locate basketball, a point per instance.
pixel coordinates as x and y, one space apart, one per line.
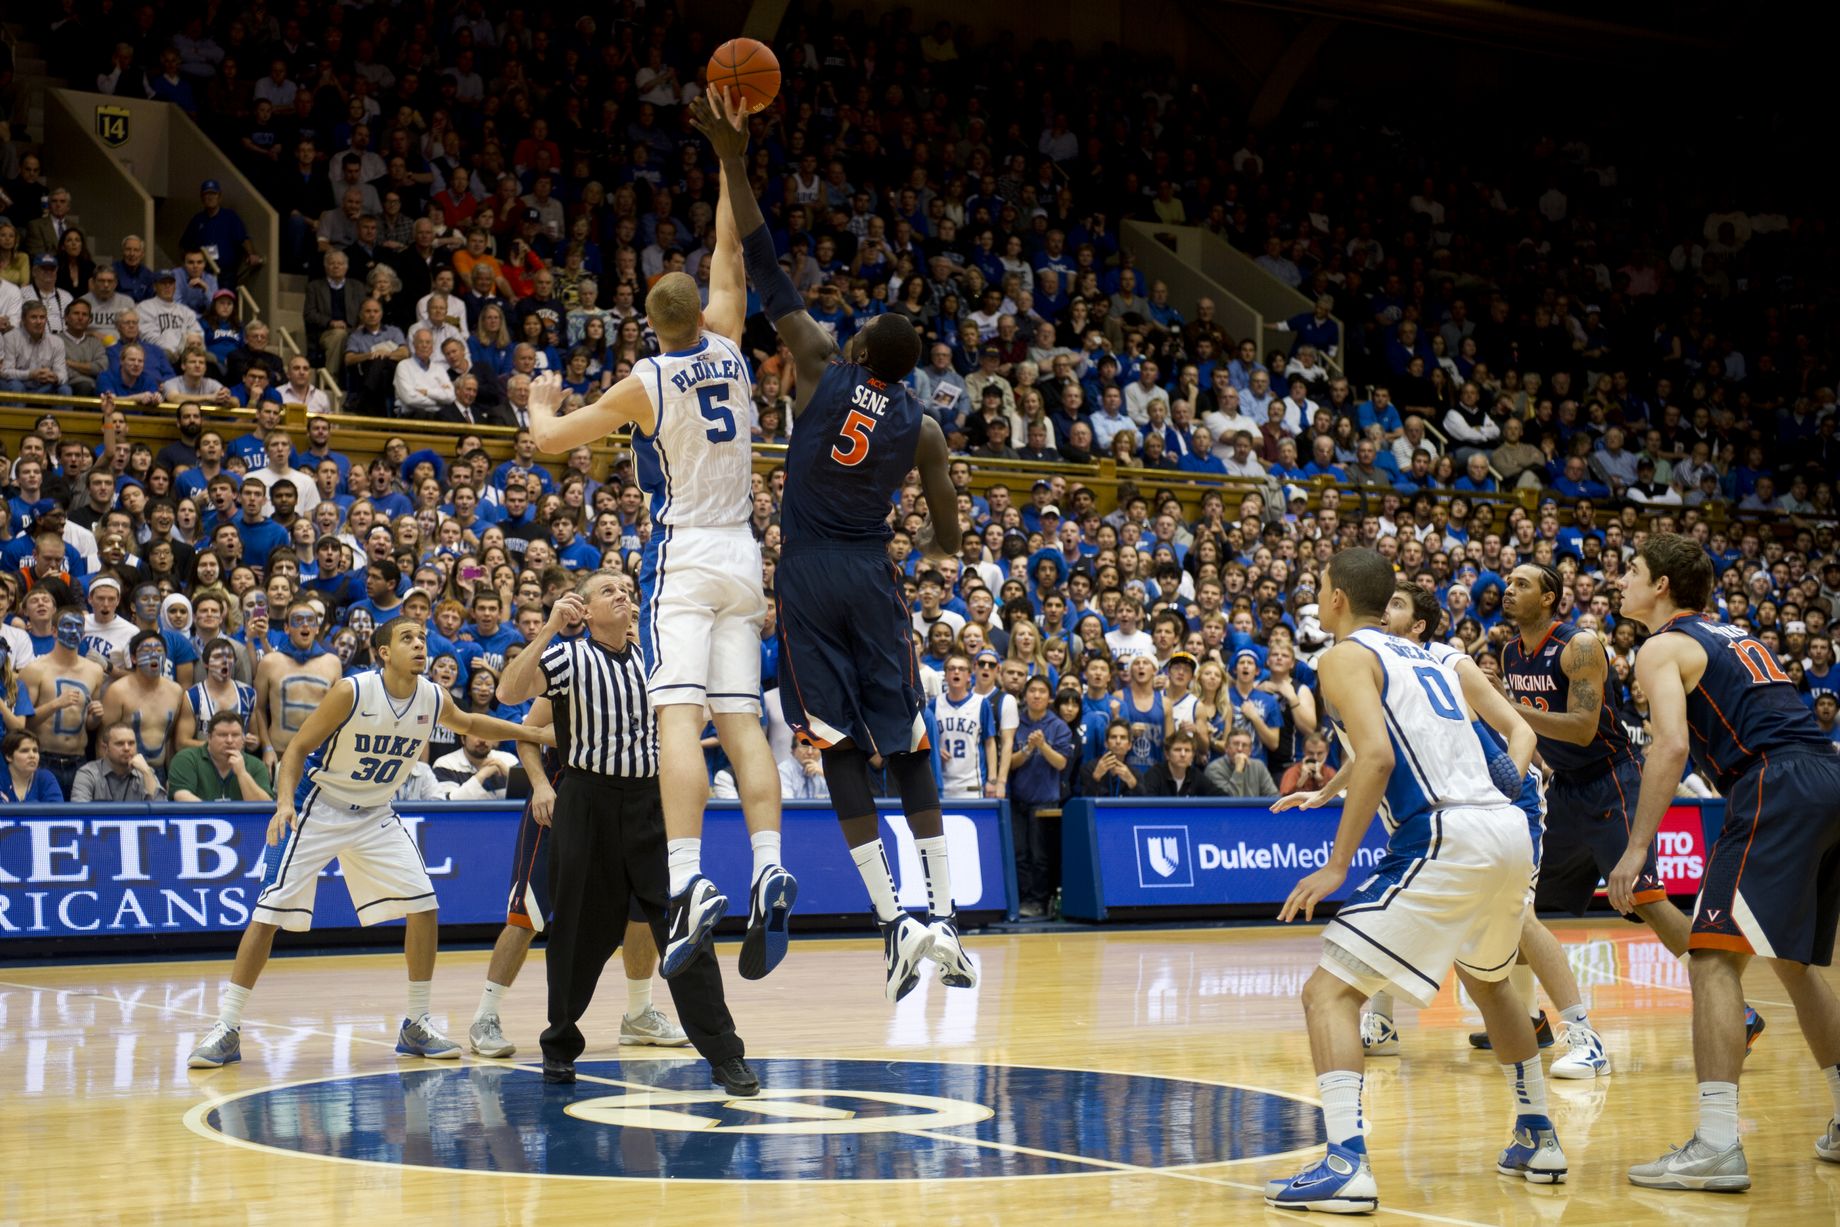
748 67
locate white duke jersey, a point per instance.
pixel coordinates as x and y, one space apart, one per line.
962 728
698 462
1438 760
371 753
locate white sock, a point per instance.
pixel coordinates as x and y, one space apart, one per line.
1833 1087
638 997
419 991
1527 1083
1381 1003
1340 1090
1718 1114
938 875
1521 981
872 863
685 857
766 852
234 997
1575 1016
488 1000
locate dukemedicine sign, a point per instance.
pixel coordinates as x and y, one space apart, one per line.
76 871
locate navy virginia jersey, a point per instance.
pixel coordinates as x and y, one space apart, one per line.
851 449
1537 679
1745 707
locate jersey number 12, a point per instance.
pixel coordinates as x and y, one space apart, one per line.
856 429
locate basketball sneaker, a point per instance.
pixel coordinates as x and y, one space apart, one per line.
1533 1153
905 943
769 922
956 970
1379 1037
221 1046
1696 1166
1342 1183
1542 1031
420 1038
1585 1057
1827 1146
695 912
487 1038
1753 1029
653 1028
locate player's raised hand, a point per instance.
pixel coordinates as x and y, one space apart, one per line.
546 393
720 119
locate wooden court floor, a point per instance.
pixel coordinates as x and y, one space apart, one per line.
1141 1077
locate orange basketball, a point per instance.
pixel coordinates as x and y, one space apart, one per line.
747 67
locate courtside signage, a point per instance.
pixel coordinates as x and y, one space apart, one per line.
77 871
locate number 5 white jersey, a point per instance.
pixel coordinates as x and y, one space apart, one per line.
697 463
1438 761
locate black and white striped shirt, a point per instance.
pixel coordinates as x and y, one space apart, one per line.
606 724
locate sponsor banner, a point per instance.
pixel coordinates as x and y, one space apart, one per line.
1196 854
1682 845
76 871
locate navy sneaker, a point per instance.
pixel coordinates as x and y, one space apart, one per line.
769 922
1542 1031
694 914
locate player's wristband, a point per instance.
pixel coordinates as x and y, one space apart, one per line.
777 293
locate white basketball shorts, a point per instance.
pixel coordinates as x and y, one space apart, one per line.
701 614
382 866
1455 895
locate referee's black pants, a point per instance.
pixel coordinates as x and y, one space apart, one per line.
607 849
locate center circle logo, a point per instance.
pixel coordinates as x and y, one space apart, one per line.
813 1120
779 1111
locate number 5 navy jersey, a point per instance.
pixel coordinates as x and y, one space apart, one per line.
851 449
1745 707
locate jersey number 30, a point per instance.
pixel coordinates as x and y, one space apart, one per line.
856 430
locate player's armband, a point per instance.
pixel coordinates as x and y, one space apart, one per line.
777 293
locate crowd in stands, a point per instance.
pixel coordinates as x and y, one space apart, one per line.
478 198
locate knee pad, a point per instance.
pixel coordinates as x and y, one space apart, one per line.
846 773
913 777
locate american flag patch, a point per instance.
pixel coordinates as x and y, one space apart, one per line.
422 719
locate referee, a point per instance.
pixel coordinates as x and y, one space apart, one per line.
608 844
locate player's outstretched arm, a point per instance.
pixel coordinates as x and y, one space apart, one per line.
1494 709
941 535
1658 669
1586 668
726 313
332 711
472 724
719 119
624 404
1350 678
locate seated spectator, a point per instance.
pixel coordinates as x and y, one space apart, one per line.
801 778
1176 775
193 384
121 775
1237 773
1312 772
221 769
31 358
334 305
24 782
132 275
477 771
195 284
420 382
130 380
166 322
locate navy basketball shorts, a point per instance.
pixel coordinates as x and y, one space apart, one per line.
846 662
1587 832
527 903
1772 884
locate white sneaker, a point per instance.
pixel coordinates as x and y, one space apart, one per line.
1585 1057
221 1046
652 1027
487 1038
1379 1037
1698 1167
905 943
1827 1146
956 970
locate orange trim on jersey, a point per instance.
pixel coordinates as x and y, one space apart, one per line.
1645 897
518 920
792 675
1756 821
1719 712
1527 654
1719 941
812 739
